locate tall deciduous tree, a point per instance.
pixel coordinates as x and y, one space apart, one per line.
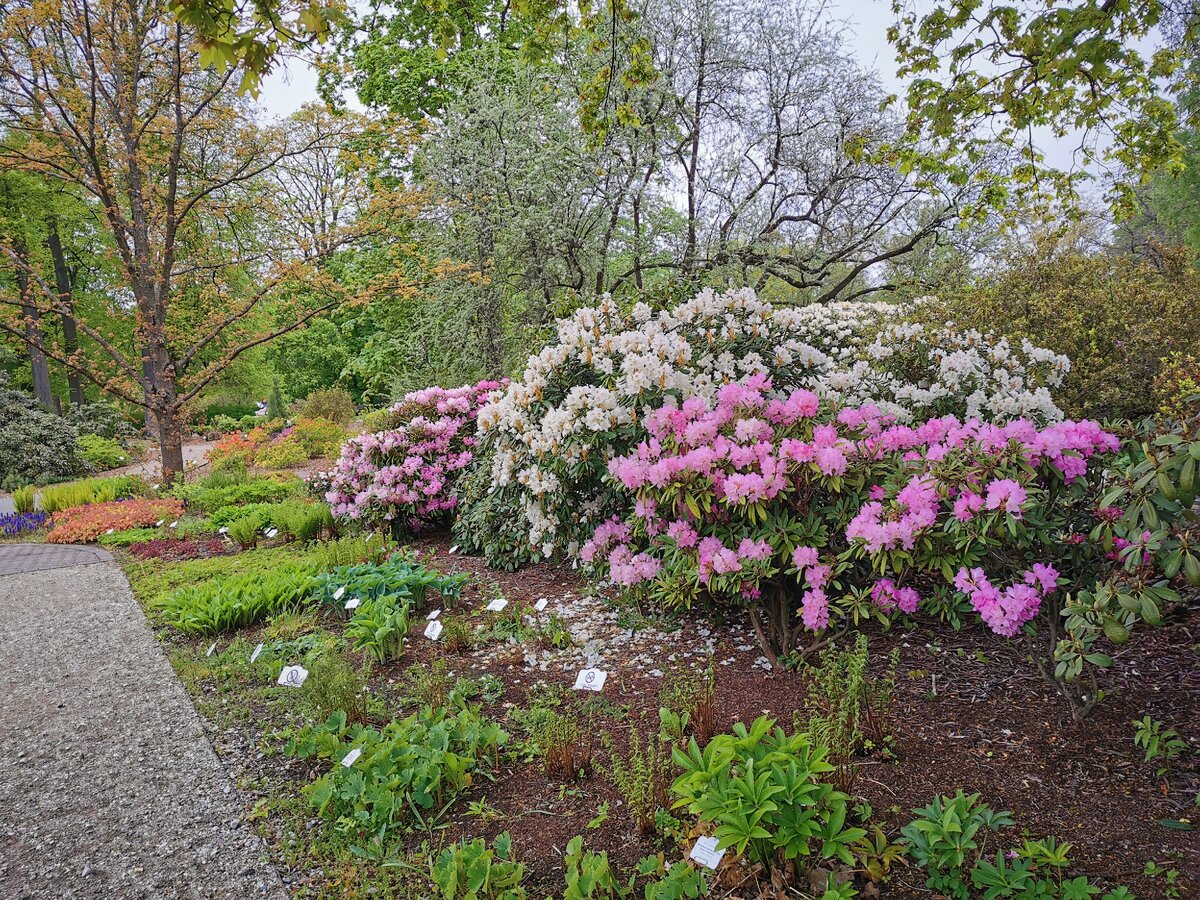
111 97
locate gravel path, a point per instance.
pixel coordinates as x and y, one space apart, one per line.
108 786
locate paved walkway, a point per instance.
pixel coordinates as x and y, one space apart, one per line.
108 786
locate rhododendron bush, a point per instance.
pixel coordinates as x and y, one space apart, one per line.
814 517
581 400
405 476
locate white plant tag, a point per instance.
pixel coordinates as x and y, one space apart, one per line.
212 649
222 530
293 676
257 650
433 615
173 524
433 630
706 853
158 524
353 603
591 680
497 605
110 531
541 605
337 595
454 549
349 759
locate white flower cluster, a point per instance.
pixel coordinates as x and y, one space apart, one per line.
580 399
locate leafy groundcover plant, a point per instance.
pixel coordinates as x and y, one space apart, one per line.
408 769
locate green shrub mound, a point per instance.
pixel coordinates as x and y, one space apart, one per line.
101 453
211 494
36 446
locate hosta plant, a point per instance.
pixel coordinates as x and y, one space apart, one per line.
379 626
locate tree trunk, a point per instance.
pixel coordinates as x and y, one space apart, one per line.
38 364
62 279
170 442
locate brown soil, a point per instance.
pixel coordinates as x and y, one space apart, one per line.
970 712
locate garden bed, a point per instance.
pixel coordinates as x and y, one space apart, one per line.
969 712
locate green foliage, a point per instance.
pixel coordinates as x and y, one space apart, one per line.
36 447
678 882
234 601
90 490
320 438
762 793
333 404
985 74
285 454
1162 745
1115 317
687 706
353 549
641 777
211 492
486 524
100 419
25 498
848 709
276 408
128 536
948 836
589 875
379 626
474 871
334 685
399 576
300 520
101 453
244 529
408 770
309 359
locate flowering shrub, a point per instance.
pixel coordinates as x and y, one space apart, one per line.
236 444
84 524
12 524
581 400
406 476
815 518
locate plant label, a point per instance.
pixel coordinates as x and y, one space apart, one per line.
706 853
222 530
271 532
591 680
110 531
293 676
173 524
433 630
158 524
337 595
454 549
257 650
497 605
349 758
540 606
433 615
212 649
353 603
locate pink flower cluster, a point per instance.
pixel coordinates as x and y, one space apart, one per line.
706 472
1005 611
409 472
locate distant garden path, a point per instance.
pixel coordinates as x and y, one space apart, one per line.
108 786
